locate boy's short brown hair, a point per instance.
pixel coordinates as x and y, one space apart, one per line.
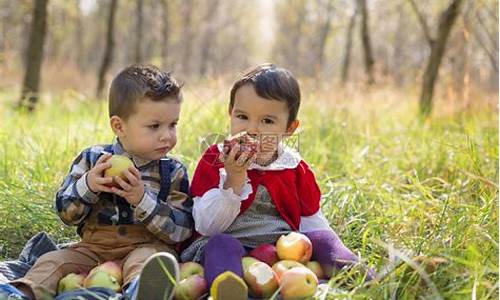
274 83
138 82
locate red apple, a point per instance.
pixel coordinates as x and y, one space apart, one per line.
284 265
266 253
316 268
298 283
70 282
261 279
294 246
191 288
247 261
119 164
190 268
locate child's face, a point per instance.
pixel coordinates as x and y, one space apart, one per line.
265 118
150 132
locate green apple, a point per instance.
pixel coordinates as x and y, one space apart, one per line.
111 267
119 164
190 268
101 279
298 283
316 268
294 246
70 282
247 261
261 279
191 288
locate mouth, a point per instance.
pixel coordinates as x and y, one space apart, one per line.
163 149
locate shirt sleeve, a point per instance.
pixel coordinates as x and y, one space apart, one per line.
308 190
74 198
171 220
314 222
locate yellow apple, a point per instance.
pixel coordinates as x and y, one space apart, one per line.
119 164
261 279
284 265
190 268
294 246
298 283
316 268
70 282
191 288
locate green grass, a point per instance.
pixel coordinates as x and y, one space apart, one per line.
388 182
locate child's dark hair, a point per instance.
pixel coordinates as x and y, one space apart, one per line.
274 83
137 82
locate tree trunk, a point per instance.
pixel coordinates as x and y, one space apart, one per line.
108 51
187 36
398 71
323 34
348 46
166 34
138 32
365 38
79 38
209 36
31 81
438 47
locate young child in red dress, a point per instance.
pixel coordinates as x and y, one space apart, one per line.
244 198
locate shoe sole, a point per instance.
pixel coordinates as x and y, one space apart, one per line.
158 277
228 286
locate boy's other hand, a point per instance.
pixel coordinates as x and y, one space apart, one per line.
131 190
96 180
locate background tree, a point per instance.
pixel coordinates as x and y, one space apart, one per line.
108 51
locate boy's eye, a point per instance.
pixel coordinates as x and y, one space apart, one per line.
242 117
154 126
173 125
268 121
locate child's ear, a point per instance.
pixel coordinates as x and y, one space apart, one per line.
293 126
117 125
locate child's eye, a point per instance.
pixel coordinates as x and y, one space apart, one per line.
173 125
242 117
154 126
268 121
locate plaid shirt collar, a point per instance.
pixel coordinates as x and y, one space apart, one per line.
138 162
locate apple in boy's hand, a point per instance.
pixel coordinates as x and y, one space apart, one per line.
261 279
70 282
190 268
298 283
247 261
244 140
284 265
191 288
119 164
294 246
266 253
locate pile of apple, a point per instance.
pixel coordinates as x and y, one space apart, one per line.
192 284
286 266
108 275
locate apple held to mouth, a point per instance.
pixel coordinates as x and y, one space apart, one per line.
298 283
119 164
245 141
191 288
70 282
190 268
261 279
294 246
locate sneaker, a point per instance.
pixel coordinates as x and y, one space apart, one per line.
158 277
229 286
8 291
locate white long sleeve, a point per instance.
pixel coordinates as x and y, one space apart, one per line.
217 209
314 222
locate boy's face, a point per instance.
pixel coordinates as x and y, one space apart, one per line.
266 119
151 131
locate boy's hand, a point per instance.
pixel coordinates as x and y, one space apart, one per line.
95 177
133 190
236 168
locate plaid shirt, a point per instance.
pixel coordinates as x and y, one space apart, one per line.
170 220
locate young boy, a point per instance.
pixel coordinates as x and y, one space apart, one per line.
130 221
243 198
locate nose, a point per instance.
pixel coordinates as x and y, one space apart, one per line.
253 129
165 135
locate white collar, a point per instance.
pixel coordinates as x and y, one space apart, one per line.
288 158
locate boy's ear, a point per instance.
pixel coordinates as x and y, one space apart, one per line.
117 125
293 126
